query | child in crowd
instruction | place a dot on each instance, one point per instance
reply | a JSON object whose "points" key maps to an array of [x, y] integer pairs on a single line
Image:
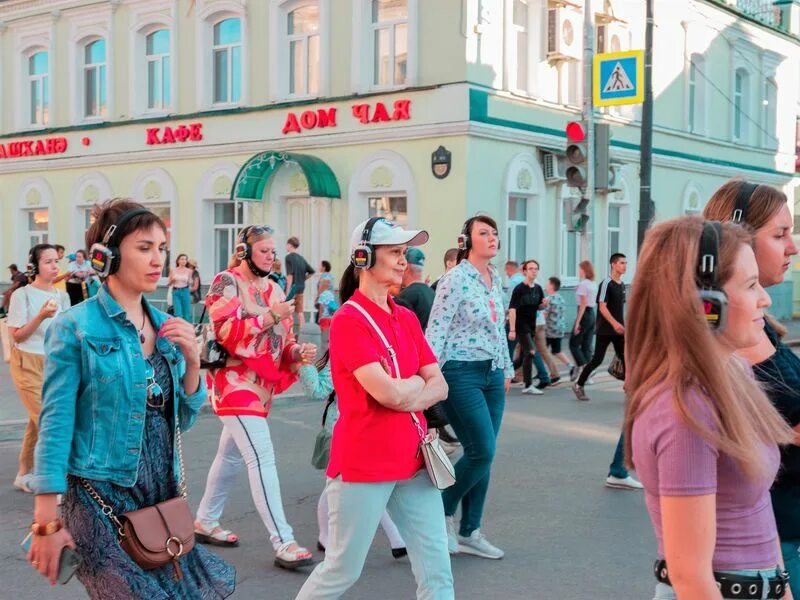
{"points": [[555, 323]]}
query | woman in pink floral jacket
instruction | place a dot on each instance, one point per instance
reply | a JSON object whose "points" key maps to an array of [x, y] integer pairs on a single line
{"points": [[253, 321]]}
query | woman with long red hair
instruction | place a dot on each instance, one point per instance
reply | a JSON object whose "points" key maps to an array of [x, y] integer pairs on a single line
{"points": [[701, 433]]}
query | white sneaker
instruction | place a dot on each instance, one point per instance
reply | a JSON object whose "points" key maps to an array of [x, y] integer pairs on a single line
{"points": [[589, 381], [628, 483], [452, 537], [477, 545], [532, 391]]}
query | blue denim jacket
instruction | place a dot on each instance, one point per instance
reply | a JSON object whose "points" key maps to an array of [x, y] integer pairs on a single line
{"points": [[94, 395]]}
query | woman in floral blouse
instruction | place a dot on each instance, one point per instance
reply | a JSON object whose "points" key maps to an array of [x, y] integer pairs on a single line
{"points": [[253, 321], [466, 331]]}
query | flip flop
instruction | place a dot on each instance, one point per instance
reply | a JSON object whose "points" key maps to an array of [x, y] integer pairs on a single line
{"points": [[216, 537]]}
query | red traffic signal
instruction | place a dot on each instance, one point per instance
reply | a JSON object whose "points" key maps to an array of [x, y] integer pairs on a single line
{"points": [[576, 131]]}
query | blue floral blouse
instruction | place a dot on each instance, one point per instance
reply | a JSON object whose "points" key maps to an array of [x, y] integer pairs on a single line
{"points": [[467, 320]]}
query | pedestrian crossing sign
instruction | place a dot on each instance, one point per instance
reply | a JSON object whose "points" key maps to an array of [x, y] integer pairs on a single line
{"points": [[618, 78]]}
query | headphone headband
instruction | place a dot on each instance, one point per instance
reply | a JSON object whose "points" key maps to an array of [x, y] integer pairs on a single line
{"points": [[709, 254], [366, 235], [746, 191], [110, 238]]}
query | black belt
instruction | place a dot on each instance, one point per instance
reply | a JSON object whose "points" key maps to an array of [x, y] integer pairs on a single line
{"points": [[736, 586]]}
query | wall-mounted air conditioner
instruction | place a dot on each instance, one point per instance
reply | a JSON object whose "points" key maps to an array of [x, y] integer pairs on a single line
{"points": [[564, 33], [553, 168]]}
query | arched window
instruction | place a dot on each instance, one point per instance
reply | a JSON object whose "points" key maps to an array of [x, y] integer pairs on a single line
{"points": [[38, 88], [303, 37], [94, 78], [159, 75], [227, 62]]}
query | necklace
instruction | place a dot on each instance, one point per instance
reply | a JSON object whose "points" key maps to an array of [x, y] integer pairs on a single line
{"points": [[141, 330]]}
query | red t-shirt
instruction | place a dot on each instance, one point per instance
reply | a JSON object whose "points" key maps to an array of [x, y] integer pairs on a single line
{"points": [[371, 442]]}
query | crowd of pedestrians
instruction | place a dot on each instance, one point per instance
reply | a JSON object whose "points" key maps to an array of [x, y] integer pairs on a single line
{"points": [[712, 405]]}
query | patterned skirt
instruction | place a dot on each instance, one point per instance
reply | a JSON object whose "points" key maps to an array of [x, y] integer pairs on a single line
{"points": [[107, 572]]}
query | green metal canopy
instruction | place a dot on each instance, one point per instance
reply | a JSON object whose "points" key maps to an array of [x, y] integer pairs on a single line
{"points": [[254, 175]]}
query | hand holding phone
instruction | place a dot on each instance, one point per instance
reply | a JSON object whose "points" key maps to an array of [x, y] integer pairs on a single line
{"points": [[68, 562]]}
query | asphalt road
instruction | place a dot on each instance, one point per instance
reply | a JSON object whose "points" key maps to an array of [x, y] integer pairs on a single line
{"points": [[564, 533]]}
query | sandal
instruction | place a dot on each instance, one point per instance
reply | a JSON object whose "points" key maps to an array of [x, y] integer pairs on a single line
{"points": [[292, 559], [215, 537]]}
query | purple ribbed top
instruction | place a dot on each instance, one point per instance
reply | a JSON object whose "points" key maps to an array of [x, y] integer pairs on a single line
{"points": [[672, 460]]}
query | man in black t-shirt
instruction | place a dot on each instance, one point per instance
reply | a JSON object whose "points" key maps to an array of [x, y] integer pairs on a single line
{"points": [[526, 300], [610, 321], [297, 271]]}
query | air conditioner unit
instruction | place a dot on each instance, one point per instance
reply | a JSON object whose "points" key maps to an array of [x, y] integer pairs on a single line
{"points": [[552, 167], [564, 33]]}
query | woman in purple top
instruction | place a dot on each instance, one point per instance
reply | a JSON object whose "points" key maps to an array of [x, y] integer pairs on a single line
{"points": [[701, 433]]}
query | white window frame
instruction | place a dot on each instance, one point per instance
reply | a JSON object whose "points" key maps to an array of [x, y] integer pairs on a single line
{"points": [[232, 228], [568, 272], [513, 47], [305, 39], [621, 229], [363, 67], [228, 50], [158, 60], [697, 96], [362, 187], [391, 27], [205, 197], [104, 191], [168, 199], [47, 98], [770, 113], [103, 69], [279, 58], [45, 202], [741, 106], [208, 16], [511, 227]]}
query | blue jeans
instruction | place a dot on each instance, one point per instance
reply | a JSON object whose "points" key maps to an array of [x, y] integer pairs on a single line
{"points": [[665, 592], [474, 407], [617, 466], [182, 302], [791, 562]]}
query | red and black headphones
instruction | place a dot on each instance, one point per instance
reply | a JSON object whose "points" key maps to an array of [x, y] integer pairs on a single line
{"points": [[465, 238], [715, 300], [105, 256]]}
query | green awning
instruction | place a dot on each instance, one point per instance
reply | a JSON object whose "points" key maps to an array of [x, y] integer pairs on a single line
{"points": [[254, 175]]}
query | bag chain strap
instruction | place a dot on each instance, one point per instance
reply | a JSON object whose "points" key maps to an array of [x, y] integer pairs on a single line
{"points": [[109, 511]]}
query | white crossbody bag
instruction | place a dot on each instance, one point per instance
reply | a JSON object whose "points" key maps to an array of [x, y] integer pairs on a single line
{"points": [[437, 463]]}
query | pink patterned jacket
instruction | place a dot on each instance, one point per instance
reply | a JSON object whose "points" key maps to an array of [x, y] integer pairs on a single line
{"points": [[260, 359]]}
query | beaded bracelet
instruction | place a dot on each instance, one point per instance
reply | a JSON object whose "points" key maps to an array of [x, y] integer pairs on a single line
{"points": [[48, 528]]}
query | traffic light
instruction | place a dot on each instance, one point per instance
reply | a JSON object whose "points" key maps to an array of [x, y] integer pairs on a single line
{"points": [[577, 154], [602, 170]]}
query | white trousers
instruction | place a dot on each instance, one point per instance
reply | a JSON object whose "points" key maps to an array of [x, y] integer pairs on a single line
{"points": [[246, 440], [355, 511], [389, 528]]}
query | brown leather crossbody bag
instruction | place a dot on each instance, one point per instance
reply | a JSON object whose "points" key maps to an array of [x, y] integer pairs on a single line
{"points": [[155, 535]]}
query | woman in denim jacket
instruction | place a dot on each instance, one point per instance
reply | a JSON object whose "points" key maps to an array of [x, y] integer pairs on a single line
{"points": [[119, 377]]}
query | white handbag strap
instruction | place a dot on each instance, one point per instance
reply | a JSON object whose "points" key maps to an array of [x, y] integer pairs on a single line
{"points": [[389, 348]]}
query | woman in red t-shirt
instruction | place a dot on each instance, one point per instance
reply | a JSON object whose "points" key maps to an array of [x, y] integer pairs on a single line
{"points": [[253, 321], [375, 463]]}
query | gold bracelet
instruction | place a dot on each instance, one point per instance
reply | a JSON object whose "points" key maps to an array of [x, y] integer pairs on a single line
{"points": [[47, 529]]}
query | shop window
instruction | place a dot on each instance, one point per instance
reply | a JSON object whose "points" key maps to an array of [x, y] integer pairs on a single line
{"points": [[227, 61], [159, 77], [389, 42], [517, 234], [94, 79], [38, 226], [38, 88], [303, 37], [392, 208], [228, 221]]}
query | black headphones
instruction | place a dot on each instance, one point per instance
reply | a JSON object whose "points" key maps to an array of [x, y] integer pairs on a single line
{"points": [[105, 256], [33, 258], [244, 250], [465, 239], [363, 255], [746, 191], [715, 301]]}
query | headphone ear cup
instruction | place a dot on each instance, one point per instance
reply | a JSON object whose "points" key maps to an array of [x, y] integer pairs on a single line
{"points": [[242, 251], [463, 242], [115, 260]]}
